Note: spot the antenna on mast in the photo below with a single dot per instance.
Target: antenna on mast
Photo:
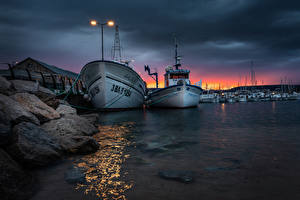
(177, 58)
(116, 48)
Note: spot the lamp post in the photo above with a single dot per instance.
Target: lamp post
(108, 23)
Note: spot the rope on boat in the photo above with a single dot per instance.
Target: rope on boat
(114, 100)
(83, 107)
(69, 92)
(77, 78)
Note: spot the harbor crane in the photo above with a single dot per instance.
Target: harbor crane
(147, 68)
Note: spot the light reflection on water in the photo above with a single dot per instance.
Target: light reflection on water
(232, 150)
(273, 106)
(103, 169)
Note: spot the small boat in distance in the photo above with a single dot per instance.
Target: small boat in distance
(113, 85)
(178, 91)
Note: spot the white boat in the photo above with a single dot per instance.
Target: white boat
(178, 91)
(176, 96)
(113, 85)
(209, 97)
(294, 96)
(231, 99)
(242, 98)
(206, 98)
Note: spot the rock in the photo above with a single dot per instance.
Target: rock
(33, 88)
(181, 176)
(226, 168)
(60, 101)
(154, 151)
(93, 118)
(12, 111)
(34, 105)
(151, 148)
(180, 144)
(5, 86)
(140, 161)
(5, 133)
(15, 183)
(52, 102)
(78, 144)
(75, 175)
(65, 110)
(32, 146)
(70, 125)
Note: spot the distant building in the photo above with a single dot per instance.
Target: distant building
(48, 75)
(34, 65)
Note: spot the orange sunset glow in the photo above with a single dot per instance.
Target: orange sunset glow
(209, 84)
(223, 81)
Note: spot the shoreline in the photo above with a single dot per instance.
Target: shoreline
(38, 131)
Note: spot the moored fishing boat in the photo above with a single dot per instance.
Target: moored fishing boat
(113, 85)
(178, 91)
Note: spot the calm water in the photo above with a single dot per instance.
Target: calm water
(232, 151)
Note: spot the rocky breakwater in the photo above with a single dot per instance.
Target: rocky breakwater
(36, 129)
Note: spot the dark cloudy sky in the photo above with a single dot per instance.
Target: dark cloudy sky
(217, 38)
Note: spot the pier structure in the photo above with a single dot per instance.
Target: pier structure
(57, 79)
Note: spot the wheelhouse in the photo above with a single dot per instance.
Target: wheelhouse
(176, 76)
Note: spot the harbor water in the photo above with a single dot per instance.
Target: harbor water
(214, 151)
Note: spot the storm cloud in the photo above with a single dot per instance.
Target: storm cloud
(215, 36)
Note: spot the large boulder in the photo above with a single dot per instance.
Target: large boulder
(70, 125)
(78, 144)
(12, 111)
(177, 175)
(32, 146)
(5, 133)
(5, 86)
(66, 109)
(64, 102)
(33, 88)
(15, 183)
(52, 102)
(34, 105)
(55, 102)
(93, 118)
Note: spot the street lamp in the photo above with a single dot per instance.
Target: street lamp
(108, 23)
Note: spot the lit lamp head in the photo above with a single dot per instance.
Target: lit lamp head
(93, 23)
(110, 23)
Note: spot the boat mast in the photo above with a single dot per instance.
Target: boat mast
(116, 48)
(177, 58)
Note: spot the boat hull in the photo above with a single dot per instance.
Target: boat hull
(178, 96)
(113, 86)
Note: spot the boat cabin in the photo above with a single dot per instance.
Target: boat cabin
(176, 76)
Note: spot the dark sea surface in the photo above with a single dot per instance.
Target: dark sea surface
(216, 151)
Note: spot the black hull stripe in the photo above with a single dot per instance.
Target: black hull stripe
(125, 84)
(116, 63)
(118, 81)
(94, 81)
(154, 93)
